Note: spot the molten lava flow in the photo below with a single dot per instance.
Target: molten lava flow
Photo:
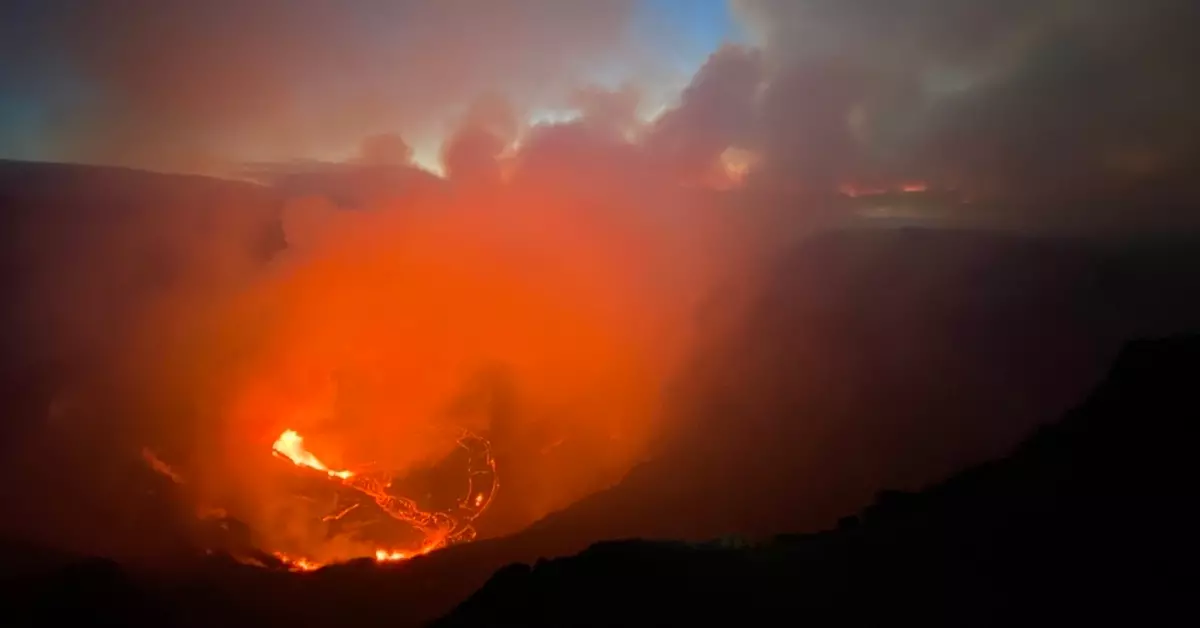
(339, 514)
(290, 445)
(439, 528)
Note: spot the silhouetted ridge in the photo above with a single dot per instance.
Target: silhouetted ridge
(1085, 521)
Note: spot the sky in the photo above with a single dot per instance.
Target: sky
(684, 33)
(1054, 100)
(656, 44)
(694, 29)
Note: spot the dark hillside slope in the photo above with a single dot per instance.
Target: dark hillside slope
(887, 358)
(1086, 521)
(86, 254)
(97, 240)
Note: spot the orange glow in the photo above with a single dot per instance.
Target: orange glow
(295, 563)
(301, 564)
(385, 556)
(544, 313)
(385, 323)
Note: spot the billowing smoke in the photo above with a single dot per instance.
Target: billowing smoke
(542, 300)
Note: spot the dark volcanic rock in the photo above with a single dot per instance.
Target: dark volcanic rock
(1086, 521)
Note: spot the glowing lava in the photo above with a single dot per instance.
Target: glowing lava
(302, 564)
(296, 563)
(290, 445)
(385, 556)
(439, 528)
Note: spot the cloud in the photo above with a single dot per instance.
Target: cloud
(716, 111)
(1045, 101)
(1030, 102)
(385, 149)
(194, 85)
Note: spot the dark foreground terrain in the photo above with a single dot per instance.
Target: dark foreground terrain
(1085, 522)
(1088, 520)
